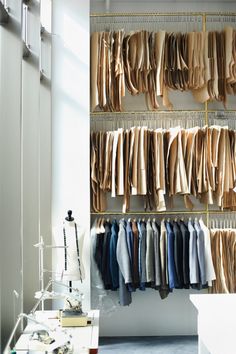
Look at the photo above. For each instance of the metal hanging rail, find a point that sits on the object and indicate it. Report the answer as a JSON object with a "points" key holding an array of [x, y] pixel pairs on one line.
{"points": [[171, 212], [136, 14], [99, 113]]}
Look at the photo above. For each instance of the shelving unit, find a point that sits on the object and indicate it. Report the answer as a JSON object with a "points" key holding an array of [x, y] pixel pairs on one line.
{"points": [[122, 19]]}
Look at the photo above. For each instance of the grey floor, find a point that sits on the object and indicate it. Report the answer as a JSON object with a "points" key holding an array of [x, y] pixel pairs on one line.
{"points": [[148, 345]]}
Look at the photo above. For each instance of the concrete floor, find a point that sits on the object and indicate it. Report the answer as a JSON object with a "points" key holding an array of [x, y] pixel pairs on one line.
{"points": [[148, 345]]}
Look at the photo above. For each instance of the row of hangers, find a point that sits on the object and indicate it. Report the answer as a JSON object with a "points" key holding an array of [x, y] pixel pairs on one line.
{"points": [[228, 222], [156, 22], [100, 222], [164, 120]]}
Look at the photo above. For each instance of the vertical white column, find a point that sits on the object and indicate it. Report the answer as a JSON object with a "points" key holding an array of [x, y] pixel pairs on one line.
{"points": [[45, 141], [70, 126], [31, 153], [10, 171]]}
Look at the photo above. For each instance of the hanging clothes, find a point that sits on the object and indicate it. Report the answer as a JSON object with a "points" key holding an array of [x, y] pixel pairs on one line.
{"points": [[223, 242], [155, 63], [143, 254], [161, 164]]}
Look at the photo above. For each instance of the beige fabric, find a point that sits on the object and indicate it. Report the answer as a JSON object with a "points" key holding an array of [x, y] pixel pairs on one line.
{"points": [[223, 246], [120, 162], [134, 179], [155, 63], [142, 162], [127, 147], [113, 167], [159, 169], [94, 55], [159, 42], [199, 162]]}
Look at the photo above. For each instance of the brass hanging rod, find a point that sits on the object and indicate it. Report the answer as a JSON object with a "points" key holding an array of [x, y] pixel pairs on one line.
{"points": [[136, 14], [221, 110], [94, 114], [176, 212], [148, 112]]}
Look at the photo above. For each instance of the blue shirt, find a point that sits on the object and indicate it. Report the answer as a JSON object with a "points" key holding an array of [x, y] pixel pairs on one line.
{"points": [[114, 267], [173, 282]]}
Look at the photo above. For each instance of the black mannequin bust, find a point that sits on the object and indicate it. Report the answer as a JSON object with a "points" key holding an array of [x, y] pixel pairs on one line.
{"points": [[69, 217]]}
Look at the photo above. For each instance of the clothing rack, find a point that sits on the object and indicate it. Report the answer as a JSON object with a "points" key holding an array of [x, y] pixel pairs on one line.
{"points": [[97, 113], [135, 14], [182, 118], [178, 212], [176, 17]]}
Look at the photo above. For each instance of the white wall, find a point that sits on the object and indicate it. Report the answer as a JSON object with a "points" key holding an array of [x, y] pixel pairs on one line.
{"points": [[162, 6], [25, 158], [36, 162], [70, 122], [10, 162], [148, 314]]}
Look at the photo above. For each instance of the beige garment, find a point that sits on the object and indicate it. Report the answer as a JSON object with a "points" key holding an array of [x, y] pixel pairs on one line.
{"points": [[181, 185], [142, 162], [204, 179], [102, 72], [225, 168], [223, 246], [213, 82], [229, 198], [214, 149], [231, 80], [228, 51], [131, 153], [151, 96], [113, 166], [191, 39], [177, 177], [93, 170], [118, 74], [146, 62], [108, 83], [94, 55], [171, 157], [130, 48], [201, 94], [120, 162], [168, 54], [97, 194], [134, 179], [159, 169], [188, 151], [126, 200], [106, 183], [140, 60], [159, 50], [220, 48]]}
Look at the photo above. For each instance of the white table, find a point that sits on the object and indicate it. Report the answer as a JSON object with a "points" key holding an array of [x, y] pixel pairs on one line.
{"points": [[216, 323], [84, 339]]}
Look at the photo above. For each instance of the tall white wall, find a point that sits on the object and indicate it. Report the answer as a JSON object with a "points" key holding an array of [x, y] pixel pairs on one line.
{"points": [[10, 162], [148, 314], [70, 122], [25, 159]]}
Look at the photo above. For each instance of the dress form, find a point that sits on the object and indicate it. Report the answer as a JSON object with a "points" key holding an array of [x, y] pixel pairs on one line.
{"points": [[73, 241]]}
